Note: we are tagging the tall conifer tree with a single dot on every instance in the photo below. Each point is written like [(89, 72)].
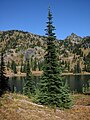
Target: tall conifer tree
[(88, 62), (52, 90), (29, 88), (4, 86), (13, 66)]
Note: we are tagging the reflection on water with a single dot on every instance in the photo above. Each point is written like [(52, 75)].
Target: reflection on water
[(75, 82), (18, 82)]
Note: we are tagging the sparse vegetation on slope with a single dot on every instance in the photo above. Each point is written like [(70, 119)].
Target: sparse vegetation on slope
[(15, 106), (20, 45)]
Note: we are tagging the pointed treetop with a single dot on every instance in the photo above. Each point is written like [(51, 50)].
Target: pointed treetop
[(50, 28), (49, 13), (49, 8)]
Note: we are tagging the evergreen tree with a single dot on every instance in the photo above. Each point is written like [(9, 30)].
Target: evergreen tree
[(29, 88), (66, 65), (8, 64), (13, 66), (31, 62), (21, 69), (24, 68), (85, 67), (40, 64), (4, 86), (35, 64), (77, 68), (84, 58), (88, 62), (52, 90)]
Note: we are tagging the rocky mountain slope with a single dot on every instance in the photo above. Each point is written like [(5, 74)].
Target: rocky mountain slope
[(20, 45)]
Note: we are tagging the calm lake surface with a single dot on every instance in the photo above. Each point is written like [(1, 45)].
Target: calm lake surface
[(75, 82)]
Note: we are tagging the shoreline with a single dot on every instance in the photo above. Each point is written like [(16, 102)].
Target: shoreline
[(39, 73)]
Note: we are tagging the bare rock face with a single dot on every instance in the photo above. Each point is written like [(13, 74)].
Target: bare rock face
[(73, 38)]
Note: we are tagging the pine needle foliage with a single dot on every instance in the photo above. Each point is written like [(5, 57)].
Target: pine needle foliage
[(52, 91), (4, 86), (29, 87)]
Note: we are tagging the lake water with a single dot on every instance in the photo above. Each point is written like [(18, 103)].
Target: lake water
[(75, 82)]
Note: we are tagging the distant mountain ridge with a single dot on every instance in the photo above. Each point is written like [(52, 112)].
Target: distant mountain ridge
[(19, 45)]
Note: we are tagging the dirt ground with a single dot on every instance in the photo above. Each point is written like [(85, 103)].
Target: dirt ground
[(19, 107)]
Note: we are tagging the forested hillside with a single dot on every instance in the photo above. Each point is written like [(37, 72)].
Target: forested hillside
[(73, 52)]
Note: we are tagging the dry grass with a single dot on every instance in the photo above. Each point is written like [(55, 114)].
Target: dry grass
[(86, 51), (19, 107)]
